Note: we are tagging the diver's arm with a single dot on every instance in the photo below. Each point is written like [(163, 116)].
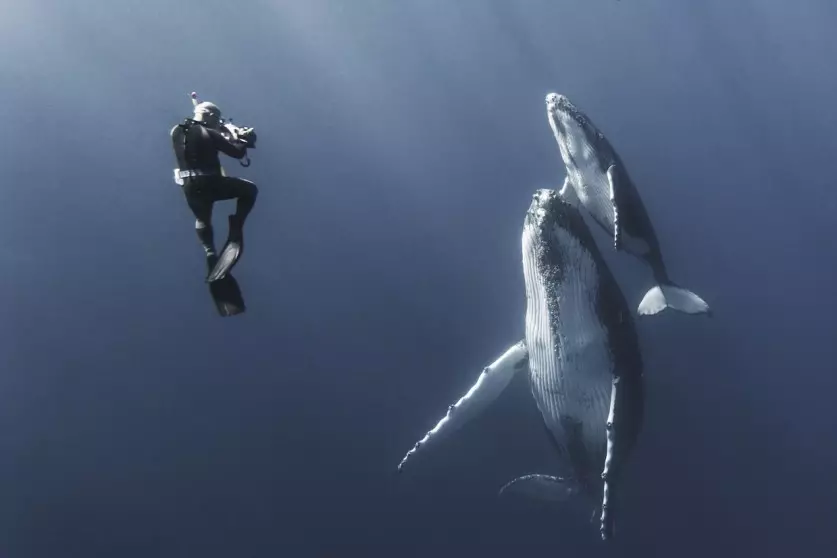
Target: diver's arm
[(233, 148)]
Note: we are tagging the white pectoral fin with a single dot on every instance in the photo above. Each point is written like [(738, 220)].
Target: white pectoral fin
[(611, 465), (490, 384), (611, 180), (568, 193)]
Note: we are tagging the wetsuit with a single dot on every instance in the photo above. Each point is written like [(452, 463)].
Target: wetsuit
[(196, 148)]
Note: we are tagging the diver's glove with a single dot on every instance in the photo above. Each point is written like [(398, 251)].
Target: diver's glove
[(245, 135), (248, 136)]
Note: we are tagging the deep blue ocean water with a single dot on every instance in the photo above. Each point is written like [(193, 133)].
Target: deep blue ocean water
[(399, 145)]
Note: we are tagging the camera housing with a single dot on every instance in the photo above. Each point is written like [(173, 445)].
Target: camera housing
[(241, 133)]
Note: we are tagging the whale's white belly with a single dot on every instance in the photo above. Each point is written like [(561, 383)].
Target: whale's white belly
[(570, 362), (587, 174)]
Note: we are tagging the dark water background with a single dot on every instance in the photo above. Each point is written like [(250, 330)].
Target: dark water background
[(399, 145)]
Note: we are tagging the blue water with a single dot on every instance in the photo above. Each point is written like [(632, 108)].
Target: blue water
[(400, 143)]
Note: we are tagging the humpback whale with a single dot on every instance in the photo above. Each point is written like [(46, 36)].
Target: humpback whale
[(598, 180), (582, 356)]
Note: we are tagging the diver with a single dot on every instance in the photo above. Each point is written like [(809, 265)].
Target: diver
[(196, 143)]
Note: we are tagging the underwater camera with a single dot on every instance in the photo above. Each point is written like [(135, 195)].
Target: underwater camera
[(244, 134)]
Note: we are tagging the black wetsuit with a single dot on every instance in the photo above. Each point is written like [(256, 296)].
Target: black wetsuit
[(196, 148)]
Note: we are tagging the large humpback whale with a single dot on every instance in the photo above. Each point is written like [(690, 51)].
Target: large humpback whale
[(597, 178), (582, 356)]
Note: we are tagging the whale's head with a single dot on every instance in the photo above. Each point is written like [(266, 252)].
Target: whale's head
[(564, 117), (549, 207), (560, 106), (556, 102), (550, 213), (544, 209), (554, 224)]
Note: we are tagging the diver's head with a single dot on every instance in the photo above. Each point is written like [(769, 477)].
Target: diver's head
[(208, 113)]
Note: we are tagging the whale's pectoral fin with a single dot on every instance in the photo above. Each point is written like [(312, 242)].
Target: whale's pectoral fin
[(568, 193), (612, 464), (613, 182), (490, 384), (543, 487)]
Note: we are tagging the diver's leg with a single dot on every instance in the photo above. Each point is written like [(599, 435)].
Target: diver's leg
[(245, 194), (206, 236), (201, 208)]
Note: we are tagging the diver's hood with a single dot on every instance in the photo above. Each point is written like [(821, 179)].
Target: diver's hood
[(203, 108)]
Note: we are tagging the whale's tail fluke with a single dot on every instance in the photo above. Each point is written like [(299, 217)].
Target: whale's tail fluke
[(542, 487), (565, 491), (669, 295)]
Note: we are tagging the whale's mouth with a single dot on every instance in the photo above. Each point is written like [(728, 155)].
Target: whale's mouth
[(564, 113), (545, 212), (541, 211), (558, 105), (548, 211)]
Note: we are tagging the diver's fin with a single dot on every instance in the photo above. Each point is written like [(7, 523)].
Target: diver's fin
[(227, 260), (611, 180), (671, 296), (542, 487), (493, 380), (226, 294), (568, 193), (231, 253)]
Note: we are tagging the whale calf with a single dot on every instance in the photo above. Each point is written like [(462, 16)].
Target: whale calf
[(582, 357), (597, 179)]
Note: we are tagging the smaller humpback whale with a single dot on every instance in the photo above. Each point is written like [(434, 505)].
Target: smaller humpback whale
[(582, 357), (597, 178)]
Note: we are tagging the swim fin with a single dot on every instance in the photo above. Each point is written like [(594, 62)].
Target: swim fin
[(226, 294), (231, 253)]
